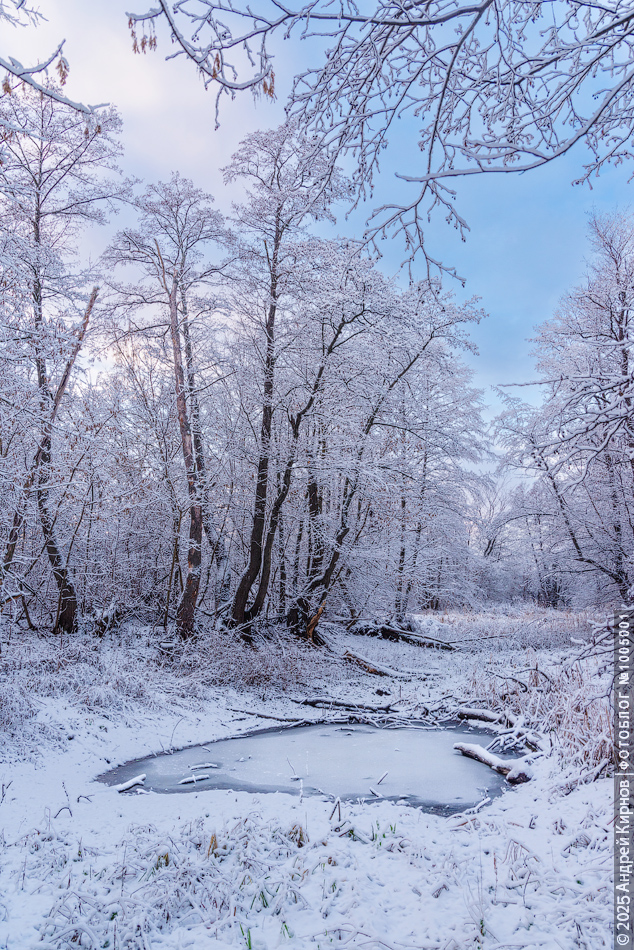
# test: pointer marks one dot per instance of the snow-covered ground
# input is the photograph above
(82, 865)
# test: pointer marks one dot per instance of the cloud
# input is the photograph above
(169, 118)
(527, 238)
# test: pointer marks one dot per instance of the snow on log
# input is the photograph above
(321, 701)
(506, 718)
(370, 666)
(425, 641)
(125, 786)
(485, 715)
(388, 632)
(515, 772)
(519, 774)
(262, 715)
(192, 779)
(108, 618)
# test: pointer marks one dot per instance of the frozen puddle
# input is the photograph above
(416, 765)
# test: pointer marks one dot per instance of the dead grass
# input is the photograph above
(510, 628)
(125, 671)
(16, 708)
(567, 703)
(277, 661)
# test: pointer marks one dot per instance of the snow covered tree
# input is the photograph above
(437, 436)
(334, 298)
(16, 13)
(57, 175)
(290, 183)
(176, 225)
(580, 442)
(385, 465)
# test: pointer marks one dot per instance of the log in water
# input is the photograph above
(416, 765)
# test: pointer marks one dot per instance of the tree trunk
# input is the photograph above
(186, 611)
(281, 541)
(66, 618)
(261, 556)
(240, 613)
(315, 530)
(214, 537)
(400, 592)
(620, 568)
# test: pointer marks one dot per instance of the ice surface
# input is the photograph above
(339, 761)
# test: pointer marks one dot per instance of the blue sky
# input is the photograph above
(527, 242)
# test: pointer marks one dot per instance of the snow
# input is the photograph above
(83, 865)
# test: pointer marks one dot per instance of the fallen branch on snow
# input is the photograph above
(388, 632)
(261, 715)
(320, 701)
(514, 772)
(467, 712)
(505, 718)
(370, 666)
(131, 783)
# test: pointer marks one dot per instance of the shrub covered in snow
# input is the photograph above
(568, 702)
(16, 708)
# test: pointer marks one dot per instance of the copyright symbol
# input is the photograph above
(622, 938)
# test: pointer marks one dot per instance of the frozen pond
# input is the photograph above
(416, 765)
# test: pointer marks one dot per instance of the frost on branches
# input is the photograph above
(496, 86)
(580, 442)
(15, 13)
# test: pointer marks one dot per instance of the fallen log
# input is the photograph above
(505, 718)
(515, 772)
(388, 632)
(192, 779)
(319, 701)
(485, 715)
(364, 663)
(422, 640)
(370, 666)
(132, 783)
(261, 715)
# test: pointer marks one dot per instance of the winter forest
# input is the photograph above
(249, 481)
(235, 422)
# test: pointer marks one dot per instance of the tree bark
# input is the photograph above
(214, 537)
(66, 617)
(186, 611)
(315, 531)
(240, 613)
